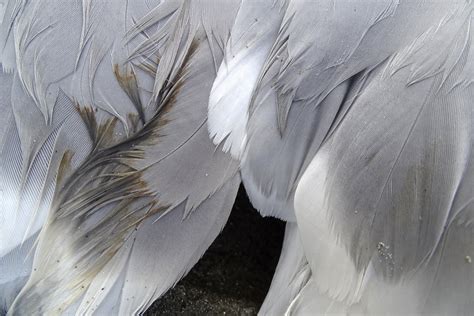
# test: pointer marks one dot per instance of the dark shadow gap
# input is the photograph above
(235, 273)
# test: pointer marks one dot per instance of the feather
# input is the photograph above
(9, 12)
(299, 95)
(392, 178)
(72, 47)
(38, 134)
(252, 37)
(29, 167)
(165, 188)
(15, 268)
(271, 183)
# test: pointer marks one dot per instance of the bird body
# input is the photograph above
(363, 125)
(129, 125)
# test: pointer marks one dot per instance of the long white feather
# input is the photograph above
(252, 37)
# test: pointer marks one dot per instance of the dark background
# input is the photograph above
(234, 275)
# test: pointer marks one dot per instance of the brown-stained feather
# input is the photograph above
(148, 65)
(101, 135)
(105, 196)
(64, 167)
(128, 83)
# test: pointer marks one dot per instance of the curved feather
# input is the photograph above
(252, 37)
(393, 179)
(271, 184)
(161, 186)
(29, 160)
(306, 78)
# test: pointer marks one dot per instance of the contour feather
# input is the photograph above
(165, 176)
(388, 177)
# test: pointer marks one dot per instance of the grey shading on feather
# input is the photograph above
(251, 38)
(272, 183)
(244, 114)
(35, 141)
(154, 191)
(288, 116)
(15, 267)
(29, 158)
(385, 207)
(302, 86)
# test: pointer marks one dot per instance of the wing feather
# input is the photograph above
(392, 177)
(163, 187)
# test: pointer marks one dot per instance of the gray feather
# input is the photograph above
(134, 194)
(392, 179)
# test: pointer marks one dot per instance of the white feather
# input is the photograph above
(252, 38)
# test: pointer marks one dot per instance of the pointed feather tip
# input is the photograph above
(331, 263)
(8, 69)
(227, 128)
(231, 96)
(229, 143)
(268, 205)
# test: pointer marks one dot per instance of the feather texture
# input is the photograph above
(252, 37)
(392, 179)
(305, 80)
(352, 120)
(30, 156)
(153, 184)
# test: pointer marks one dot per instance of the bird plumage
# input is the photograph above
(121, 195)
(129, 125)
(374, 206)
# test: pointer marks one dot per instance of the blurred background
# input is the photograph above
(235, 273)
